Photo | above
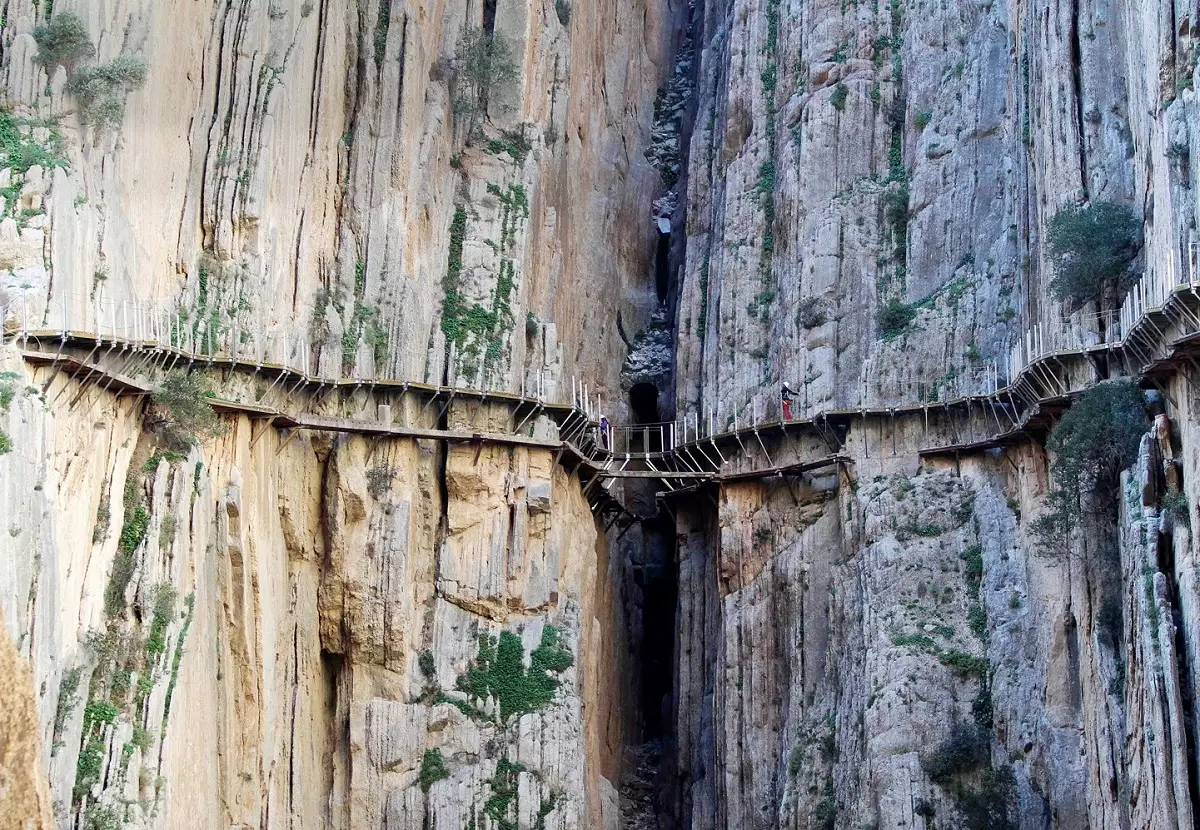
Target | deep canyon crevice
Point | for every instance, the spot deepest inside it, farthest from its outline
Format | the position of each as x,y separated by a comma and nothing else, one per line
308,516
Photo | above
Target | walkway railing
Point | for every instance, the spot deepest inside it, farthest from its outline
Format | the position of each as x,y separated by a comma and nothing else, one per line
287,347
1041,342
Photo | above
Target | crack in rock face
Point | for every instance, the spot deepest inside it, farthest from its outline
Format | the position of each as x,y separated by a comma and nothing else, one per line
409,603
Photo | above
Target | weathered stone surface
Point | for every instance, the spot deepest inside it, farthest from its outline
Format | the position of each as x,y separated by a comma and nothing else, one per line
302,579
24,793
297,172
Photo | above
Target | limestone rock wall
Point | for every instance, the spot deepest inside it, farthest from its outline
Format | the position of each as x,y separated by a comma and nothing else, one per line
868,189
275,632
860,633
309,180
848,157
281,630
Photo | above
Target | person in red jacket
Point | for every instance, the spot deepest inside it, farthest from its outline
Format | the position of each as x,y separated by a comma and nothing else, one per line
785,399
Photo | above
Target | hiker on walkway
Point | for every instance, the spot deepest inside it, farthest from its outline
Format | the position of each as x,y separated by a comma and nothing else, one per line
604,432
785,398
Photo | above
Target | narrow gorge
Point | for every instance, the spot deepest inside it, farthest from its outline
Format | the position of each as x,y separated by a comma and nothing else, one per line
648,414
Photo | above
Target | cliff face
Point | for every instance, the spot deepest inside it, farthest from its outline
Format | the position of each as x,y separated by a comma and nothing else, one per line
847,158
683,205
279,629
289,174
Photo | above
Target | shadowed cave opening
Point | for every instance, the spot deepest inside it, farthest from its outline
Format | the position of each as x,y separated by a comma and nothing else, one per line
643,403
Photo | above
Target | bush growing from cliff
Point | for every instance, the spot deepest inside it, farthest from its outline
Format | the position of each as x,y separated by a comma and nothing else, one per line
825,815
1096,439
961,765
966,748
103,817
22,152
811,314
184,411
1091,248
68,697
498,672
895,318
487,70
433,769
63,41
838,99
99,90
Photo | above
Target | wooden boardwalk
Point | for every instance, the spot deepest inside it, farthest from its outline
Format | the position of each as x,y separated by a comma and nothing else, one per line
1159,329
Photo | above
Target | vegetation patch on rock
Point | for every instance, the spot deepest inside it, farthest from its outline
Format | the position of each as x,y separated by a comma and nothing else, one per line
1092,247
1096,439
498,672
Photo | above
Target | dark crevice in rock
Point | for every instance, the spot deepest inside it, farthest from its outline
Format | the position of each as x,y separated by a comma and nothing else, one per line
1077,81
652,579
489,17
662,267
1166,564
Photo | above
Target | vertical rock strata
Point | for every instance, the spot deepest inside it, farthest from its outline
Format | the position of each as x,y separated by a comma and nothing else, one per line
849,159
290,630
274,630
303,628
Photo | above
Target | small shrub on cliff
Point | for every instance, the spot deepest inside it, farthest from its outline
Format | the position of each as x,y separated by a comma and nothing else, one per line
103,817
961,765
983,803
895,318
1176,504
161,599
433,769
498,672
825,814
132,534
966,748
838,98
427,665
1091,248
1096,439
487,70
63,41
98,713
811,314
68,698
100,90
184,412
